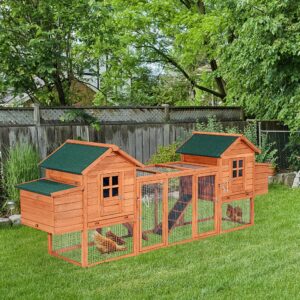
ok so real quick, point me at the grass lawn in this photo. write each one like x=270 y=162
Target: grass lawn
x=261 y=262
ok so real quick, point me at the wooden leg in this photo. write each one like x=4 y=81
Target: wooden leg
x=84 y=248
x=50 y=243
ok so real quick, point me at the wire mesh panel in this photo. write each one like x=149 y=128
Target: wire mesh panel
x=67 y=245
x=206 y=204
x=180 y=208
x=236 y=214
x=152 y=214
x=109 y=242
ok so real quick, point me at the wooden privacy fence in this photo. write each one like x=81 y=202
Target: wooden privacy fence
x=137 y=130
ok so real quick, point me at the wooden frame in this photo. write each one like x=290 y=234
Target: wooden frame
x=85 y=202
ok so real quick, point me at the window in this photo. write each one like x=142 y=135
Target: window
x=110 y=186
x=237 y=168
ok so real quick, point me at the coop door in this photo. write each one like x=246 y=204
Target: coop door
x=151 y=212
x=206 y=205
x=237 y=175
x=111 y=193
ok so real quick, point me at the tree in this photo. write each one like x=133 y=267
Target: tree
x=258 y=48
x=172 y=35
x=39 y=42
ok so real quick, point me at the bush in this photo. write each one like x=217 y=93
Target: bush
x=293 y=148
x=165 y=154
x=21 y=165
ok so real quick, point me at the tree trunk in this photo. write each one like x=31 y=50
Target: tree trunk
x=60 y=90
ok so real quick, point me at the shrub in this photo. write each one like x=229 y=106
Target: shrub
x=165 y=154
x=293 y=148
x=21 y=165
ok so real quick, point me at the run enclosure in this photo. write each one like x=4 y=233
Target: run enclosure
x=175 y=204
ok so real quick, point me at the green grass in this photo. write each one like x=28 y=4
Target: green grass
x=261 y=262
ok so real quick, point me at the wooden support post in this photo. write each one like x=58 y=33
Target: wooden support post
x=218 y=198
x=155 y=207
x=84 y=247
x=84 y=233
x=252 y=210
x=50 y=243
x=165 y=227
x=194 y=206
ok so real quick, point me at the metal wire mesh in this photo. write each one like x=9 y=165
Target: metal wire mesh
x=206 y=204
x=152 y=214
x=140 y=173
x=67 y=245
x=188 y=166
x=180 y=208
x=162 y=169
x=236 y=213
x=109 y=242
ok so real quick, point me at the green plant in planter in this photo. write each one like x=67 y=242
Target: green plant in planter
x=21 y=165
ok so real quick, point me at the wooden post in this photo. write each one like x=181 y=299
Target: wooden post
x=195 y=206
x=50 y=243
x=165 y=227
x=218 y=198
x=155 y=207
x=84 y=233
x=167 y=112
x=36 y=114
x=252 y=210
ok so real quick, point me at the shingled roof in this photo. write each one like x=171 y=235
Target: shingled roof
x=73 y=158
x=44 y=187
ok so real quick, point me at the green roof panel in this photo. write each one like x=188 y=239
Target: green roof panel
x=206 y=145
x=44 y=187
x=73 y=158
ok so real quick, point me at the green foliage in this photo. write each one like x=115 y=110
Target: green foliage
x=80 y=115
x=21 y=165
x=165 y=154
x=293 y=148
x=258 y=50
x=41 y=43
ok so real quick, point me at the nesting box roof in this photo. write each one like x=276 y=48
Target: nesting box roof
x=73 y=158
x=211 y=144
x=44 y=187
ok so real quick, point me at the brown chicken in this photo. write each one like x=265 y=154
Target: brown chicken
x=235 y=214
x=106 y=245
x=109 y=234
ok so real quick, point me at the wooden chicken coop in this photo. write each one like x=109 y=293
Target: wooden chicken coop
x=98 y=204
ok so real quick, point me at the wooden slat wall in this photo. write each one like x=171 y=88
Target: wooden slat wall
x=110 y=164
x=199 y=159
x=68 y=212
x=37 y=211
x=262 y=172
x=64 y=177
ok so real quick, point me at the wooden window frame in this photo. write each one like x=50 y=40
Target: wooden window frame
x=238 y=168
x=110 y=201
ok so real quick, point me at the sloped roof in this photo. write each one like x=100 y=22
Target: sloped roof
x=207 y=144
x=44 y=187
x=73 y=158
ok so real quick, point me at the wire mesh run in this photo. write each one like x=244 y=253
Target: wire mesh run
x=151 y=214
x=67 y=245
x=109 y=242
x=206 y=204
x=236 y=214
x=180 y=208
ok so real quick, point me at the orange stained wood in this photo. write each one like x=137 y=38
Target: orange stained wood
x=85 y=208
x=199 y=159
